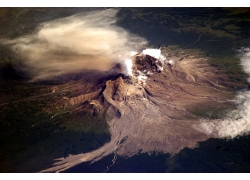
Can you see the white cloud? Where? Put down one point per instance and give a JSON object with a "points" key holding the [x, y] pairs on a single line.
{"points": [[237, 122]]}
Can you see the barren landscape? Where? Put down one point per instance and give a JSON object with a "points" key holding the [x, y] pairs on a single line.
{"points": [[155, 116], [124, 89]]}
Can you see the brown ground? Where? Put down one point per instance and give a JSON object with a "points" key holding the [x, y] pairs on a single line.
{"points": [[155, 117]]}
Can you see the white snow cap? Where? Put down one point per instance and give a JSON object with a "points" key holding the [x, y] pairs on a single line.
{"points": [[156, 53]]}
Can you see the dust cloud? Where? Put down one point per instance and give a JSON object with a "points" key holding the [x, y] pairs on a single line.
{"points": [[86, 41]]}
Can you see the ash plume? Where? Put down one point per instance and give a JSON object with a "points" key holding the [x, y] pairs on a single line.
{"points": [[237, 122], [90, 41]]}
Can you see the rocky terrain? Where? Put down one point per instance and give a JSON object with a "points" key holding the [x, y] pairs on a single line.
{"points": [[63, 104], [153, 114]]}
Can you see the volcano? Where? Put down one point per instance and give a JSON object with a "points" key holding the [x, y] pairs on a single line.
{"points": [[148, 111], [124, 90]]}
